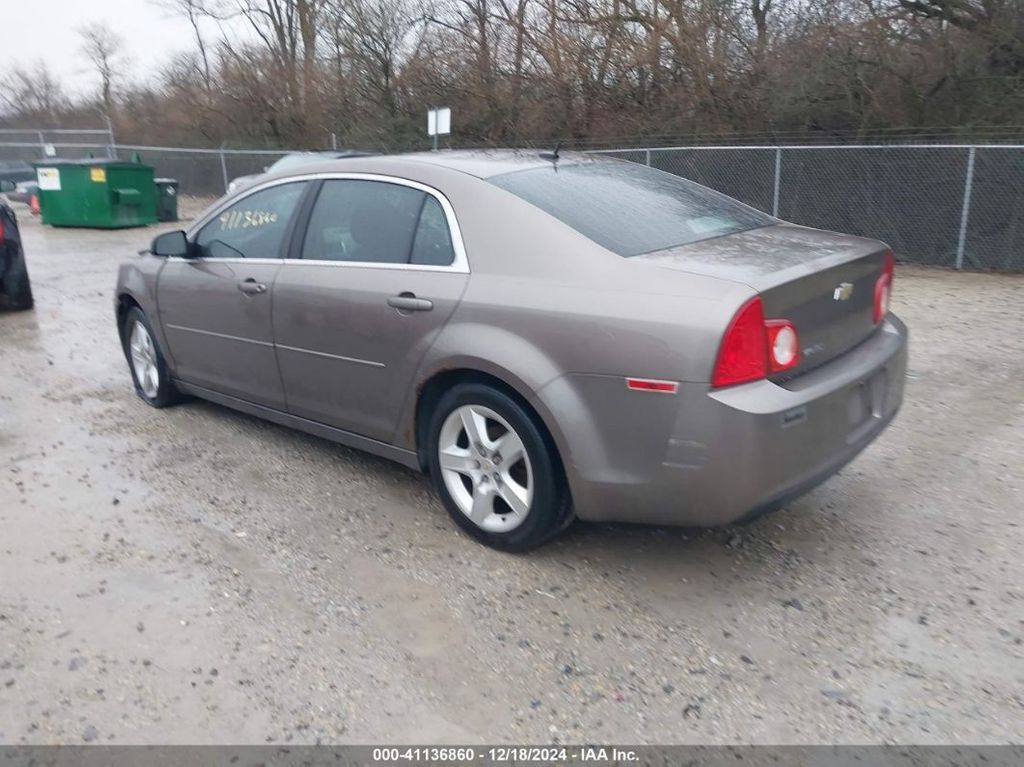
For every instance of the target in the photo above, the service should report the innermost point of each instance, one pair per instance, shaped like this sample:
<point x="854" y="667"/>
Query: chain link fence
<point x="203" y="172"/>
<point x="959" y="206"/>
<point x="950" y="205"/>
<point x="200" y="172"/>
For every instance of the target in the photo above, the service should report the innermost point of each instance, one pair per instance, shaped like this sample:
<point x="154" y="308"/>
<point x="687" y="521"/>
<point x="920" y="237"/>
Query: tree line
<point x="362" y="73"/>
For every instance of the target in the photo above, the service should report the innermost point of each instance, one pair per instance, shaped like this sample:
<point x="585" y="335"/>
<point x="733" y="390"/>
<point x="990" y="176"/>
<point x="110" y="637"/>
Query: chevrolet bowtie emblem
<point x="843" y="291"/>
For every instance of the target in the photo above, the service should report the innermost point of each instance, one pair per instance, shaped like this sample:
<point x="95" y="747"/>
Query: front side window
<point x="628" y="208"/>
<point x="377" y="222"/>
<point x="253" y="227"/>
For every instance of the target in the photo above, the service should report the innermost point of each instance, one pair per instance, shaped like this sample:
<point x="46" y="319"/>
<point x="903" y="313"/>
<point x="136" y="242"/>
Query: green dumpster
<point x="167" y="199"/>
<point x="99" y="193"/>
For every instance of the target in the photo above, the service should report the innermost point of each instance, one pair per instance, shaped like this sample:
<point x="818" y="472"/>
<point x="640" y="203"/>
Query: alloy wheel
<point x="485" y="468"/>
<point x="143" y="354"/>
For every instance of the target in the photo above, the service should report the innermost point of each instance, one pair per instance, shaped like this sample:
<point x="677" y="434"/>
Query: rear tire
<point x="17" y="288"/>
<point x="496" y="471"/>
<point x="146" y="361"/>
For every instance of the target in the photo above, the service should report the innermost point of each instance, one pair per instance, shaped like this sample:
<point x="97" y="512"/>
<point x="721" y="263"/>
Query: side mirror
<point x="170" y="244"/>
<point x="7" y="186"/>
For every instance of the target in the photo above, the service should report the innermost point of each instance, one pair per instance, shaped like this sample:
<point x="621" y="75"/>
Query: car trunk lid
<point x="822" y="282"/>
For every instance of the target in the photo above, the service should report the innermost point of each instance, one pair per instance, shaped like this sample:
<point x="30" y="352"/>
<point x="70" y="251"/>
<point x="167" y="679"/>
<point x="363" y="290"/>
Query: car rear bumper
<point x="706" y="457"/>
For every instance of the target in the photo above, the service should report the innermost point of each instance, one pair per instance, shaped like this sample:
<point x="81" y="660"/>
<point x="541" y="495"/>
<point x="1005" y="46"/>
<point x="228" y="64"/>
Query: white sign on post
<point x="439" y="121"/>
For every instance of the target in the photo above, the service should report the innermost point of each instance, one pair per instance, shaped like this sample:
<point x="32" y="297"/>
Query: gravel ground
<point x="194" y="575"/>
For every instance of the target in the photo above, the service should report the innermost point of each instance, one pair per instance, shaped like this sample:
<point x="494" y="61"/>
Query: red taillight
<point x="883" y="287"/>
<point x="743" y="355"/>
<point x="753" y="347"/>
<point x="1" y="231"/>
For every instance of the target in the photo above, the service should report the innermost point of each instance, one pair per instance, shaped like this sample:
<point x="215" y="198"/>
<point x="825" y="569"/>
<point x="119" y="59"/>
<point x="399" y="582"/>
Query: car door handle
<point x="251" y="288"/>
<point x="407" y="302"/>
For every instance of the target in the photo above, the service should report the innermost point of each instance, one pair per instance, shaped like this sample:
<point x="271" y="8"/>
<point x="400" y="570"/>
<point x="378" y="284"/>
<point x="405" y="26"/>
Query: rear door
<point x="377" y="272"/>
<point x="215" y="307"/>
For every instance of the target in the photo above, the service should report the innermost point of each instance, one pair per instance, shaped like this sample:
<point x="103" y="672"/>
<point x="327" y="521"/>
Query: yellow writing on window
<point x="247" y="219"/>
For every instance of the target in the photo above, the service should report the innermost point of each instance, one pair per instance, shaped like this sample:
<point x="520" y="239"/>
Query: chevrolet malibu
<point x="547" y="336"/>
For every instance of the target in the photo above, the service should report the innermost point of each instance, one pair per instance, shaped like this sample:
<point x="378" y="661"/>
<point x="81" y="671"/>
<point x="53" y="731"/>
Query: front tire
<point x="145" y="360"/>
<point x="496" y="472"/>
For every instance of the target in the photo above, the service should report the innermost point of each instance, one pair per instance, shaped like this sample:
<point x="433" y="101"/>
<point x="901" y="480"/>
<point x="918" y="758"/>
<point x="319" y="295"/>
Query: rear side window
<point x="433" y="243"/>
<point x="377" y="222"/>
<point x="628" y="208"/>
<point x="368" y="221"/>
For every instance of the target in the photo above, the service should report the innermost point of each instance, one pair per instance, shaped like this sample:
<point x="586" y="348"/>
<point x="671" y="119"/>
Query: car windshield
<point x="631" y="209"/>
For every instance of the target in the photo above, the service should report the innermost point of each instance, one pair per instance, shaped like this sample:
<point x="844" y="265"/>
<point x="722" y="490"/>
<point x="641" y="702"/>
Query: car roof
<point x="481" y="163"/>
<point x="485" y="163"/>
<point x="329" y="153"/>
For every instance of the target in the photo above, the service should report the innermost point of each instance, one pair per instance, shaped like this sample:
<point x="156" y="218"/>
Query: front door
<point x="215" y="307"/>
<point x="377" y="278"/>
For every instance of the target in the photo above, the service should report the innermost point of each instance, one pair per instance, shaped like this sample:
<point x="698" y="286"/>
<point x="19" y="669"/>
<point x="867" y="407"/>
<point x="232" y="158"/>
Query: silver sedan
<point x="547" y="336"/>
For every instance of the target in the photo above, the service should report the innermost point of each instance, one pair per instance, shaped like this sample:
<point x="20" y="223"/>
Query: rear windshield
<point x="631" y="209"/>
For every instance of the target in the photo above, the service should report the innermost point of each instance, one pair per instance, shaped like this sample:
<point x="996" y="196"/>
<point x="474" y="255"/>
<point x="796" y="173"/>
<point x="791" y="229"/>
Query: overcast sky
<point x="46" y="29"/>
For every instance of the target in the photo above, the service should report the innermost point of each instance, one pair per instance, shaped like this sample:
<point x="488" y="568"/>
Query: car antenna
<point x="553" y="155"/>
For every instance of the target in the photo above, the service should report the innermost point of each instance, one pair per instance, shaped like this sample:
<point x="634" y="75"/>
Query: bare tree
<point x="998" y="23"/>
<point x="194" y="11"/>
<point x="33" y="93"/>
<point x="291" y="72"/>
<point x="104" y="49"/>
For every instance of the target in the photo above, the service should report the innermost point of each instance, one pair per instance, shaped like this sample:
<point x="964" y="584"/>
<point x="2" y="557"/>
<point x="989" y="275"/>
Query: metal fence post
<point x="111" y="142"/>
<point x="778" y="177"/>
<point x="647" y="153"/>
<point x="966" y="210"/>
<point x="224" y="169"/>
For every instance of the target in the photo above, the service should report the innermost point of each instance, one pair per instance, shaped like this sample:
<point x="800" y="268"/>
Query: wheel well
<point x="125" y="303"/>
<point x="434" y="388"/>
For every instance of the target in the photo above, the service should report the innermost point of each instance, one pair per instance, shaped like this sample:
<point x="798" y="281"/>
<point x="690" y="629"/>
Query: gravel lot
<point x="194" y="575"/>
